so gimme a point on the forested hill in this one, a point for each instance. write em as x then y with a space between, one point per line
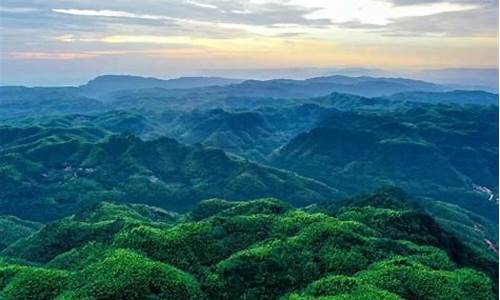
56 170
443 152
329 188
377 247
348 143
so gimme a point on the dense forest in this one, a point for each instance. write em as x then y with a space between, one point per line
378 246
210 188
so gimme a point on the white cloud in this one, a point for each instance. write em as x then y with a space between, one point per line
204 5
375 12
277 29
109 13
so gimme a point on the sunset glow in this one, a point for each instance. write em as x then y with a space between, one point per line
246 34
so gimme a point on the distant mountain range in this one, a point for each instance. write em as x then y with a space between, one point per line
454 78
131 92
462 78
320 86
276 88
112 83
457 96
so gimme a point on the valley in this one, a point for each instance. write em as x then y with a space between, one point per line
213 188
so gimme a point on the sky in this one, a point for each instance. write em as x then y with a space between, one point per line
59 42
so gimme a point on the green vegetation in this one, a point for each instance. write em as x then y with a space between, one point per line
373 247
57 170
104 190
13 229
470 228
351 143
437 151
444 152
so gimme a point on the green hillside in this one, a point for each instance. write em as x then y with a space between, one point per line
13 229
378 247
138 188
444 152
56 170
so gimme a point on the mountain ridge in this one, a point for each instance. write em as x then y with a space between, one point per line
68 168
260 249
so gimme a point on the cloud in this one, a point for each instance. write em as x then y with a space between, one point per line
178 49
212 29
261 13
474 23
130 35
47 55
41 21
237 18
109 13
472 19
482 3
204 5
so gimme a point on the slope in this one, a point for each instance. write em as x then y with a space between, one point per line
59 171
263 249
446 152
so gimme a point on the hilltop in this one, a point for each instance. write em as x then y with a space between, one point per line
57 170
262 249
